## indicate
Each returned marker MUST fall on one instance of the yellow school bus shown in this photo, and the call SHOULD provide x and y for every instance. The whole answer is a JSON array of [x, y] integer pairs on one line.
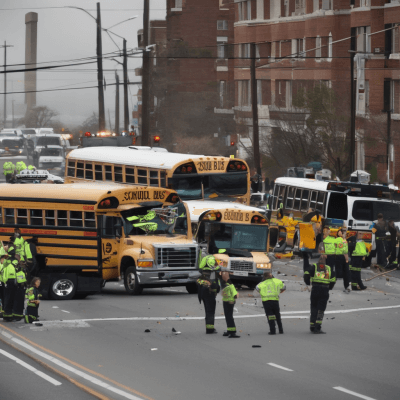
[[238, 237], [193, 177], [88, 234]]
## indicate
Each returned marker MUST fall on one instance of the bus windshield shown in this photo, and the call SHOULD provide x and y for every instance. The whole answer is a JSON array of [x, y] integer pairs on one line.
[[227, 184], [50, 152], [237, 237], [152, 221], [368, 210]]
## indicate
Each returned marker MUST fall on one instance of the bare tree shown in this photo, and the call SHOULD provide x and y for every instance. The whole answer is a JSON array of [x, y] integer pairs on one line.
[[38, 117]]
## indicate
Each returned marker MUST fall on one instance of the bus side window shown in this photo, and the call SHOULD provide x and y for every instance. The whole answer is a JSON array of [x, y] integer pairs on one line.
[[9, 216], [304, 200], [98, 171], [154, 178], [50, 218], [289, 199], [22, 216], [79, 170], [36, 217], [71, 168], [118, 173], [142, 176], [129, 175], [320, 202], [275, 197], [62, 218], [163, 182], [89, 171], [297, 200], [1, 216], [75, 218], [108, 175], [313, 200], [90, 221]]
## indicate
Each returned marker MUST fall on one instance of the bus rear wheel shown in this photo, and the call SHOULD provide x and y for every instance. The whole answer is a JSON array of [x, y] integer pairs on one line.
[[131, 282], [62, 289]]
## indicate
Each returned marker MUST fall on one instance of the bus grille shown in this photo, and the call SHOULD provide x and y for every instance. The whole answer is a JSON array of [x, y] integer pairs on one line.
[[240, 265], [177, 257]]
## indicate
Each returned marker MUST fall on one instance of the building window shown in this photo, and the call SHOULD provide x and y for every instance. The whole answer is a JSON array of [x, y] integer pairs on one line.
[[275, 9], [363, 41], [221, 50], [318, 44], [330, 46], [365, 3], [300, 7], [178, 4], [244, 50], [248, 9], [327, 5], [298, 48], [392, 90], [244, 93], [259, 92], [315, 5], [260, 9], [222, 94], [222, 25]]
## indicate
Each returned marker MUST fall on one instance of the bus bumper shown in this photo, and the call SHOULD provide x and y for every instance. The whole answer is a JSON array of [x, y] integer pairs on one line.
[[167, 277]]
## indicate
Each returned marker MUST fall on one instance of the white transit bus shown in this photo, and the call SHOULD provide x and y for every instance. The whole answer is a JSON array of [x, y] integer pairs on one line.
[[192, 176], [358, 205]]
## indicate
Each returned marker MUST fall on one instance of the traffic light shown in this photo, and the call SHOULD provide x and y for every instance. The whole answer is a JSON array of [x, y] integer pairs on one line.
[[232, 143], [156, 140]]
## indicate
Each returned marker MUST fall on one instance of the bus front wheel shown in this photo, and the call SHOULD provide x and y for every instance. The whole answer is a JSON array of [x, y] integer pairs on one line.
[[131, 282], [62, 289]]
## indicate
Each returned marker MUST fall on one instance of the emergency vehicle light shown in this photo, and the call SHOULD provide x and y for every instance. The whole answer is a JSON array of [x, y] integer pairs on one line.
[[88, 134], [110, 202]]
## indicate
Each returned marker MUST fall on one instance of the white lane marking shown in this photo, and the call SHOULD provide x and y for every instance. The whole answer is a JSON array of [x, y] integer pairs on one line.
[[280, 367], [361, 396], [293, 314], [83, 375], [30, 368], [66, 311], [54, 307]]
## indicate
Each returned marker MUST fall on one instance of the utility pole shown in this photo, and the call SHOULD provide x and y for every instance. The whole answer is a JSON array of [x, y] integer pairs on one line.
[[117, 104], [99, 53], [145, 77], [254, 106], [352, 114], [5, 81], [126, 106]]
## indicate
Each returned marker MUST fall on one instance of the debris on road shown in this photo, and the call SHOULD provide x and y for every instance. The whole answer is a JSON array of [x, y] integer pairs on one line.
[[256, 345], [155, 348], [147, 330]]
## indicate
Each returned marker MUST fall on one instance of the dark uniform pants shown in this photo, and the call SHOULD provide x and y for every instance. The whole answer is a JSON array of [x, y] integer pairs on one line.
[[356, 265], [273, 314], [19, 299], [228, 311], [342, 270], [319, 300], [209, 302], [9, 296], [1, 297], [31, 314], [381, 251]]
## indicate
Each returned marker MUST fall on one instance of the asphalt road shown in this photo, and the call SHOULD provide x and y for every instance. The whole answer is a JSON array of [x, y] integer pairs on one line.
[[101, 342]]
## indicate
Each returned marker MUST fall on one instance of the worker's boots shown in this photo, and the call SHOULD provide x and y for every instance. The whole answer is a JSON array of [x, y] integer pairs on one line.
[[233, 335]]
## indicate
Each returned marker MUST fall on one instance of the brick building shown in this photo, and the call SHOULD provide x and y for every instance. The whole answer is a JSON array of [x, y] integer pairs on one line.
[[301, 43], [192, 77]]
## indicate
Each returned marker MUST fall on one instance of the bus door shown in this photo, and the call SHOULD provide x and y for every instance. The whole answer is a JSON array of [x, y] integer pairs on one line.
[[111, 231]]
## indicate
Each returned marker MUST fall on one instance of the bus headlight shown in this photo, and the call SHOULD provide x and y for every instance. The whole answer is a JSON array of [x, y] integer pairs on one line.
[[145, 264], [264, 266]]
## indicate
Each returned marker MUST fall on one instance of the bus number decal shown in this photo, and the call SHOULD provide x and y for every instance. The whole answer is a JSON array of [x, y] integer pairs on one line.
[[236, 216], [211, 166], [88, 208]]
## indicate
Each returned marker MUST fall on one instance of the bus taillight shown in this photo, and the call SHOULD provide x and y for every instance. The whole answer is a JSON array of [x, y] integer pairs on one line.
[[258, 220], [188, 168]]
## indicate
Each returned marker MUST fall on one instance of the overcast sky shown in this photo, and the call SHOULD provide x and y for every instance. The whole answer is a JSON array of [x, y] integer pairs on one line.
[[68, 34]]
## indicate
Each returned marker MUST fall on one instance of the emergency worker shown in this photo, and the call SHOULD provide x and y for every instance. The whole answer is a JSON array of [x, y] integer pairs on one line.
[[322, 277], [32, 168], [31, 257], [20, 287], [329, 247], [229, 296], [33, 300], [8, 170], [9, 277], [19, 243], [270, 289], [3, 257], [208, 288], [359, 253], [342, 259], [380, 230], [20, 166]]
